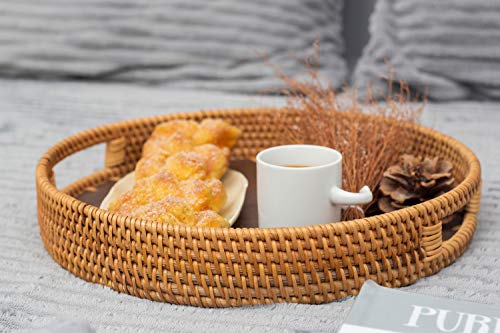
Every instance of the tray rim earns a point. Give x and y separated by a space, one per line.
43 178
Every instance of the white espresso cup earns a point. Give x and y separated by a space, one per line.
299 185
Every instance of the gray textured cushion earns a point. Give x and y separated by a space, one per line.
449 47
195 43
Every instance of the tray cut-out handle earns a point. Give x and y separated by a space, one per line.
432 245
115 152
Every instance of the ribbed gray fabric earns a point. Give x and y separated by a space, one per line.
189 44
449 48
35 291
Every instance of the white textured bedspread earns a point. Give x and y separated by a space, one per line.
35 290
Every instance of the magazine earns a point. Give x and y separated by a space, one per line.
383 310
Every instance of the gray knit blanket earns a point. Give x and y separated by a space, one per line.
35 291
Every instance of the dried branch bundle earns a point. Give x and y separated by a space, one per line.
369 134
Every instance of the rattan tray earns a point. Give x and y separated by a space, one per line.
244 266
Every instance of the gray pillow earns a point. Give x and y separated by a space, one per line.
195 43
449 48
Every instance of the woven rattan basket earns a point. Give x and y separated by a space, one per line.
244 266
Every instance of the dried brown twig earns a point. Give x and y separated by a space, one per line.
369 134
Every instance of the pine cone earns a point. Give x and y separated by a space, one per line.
414 180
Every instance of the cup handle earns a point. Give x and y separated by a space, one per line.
343 198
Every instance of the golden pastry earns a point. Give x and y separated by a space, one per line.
149 166
219 195
186 128
156 187
208 161
124 205
176 206
185 165
204 194
166 145
216 158
177 176
199 194
217 132
209 218
148 190
170 210
155 211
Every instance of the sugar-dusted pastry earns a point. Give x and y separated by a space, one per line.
199 194
166 144
205 161
219 195
124 205
186 165
186 128
149 165
204 194
176 206
217 132
155 211
170 210
209 218
156 187
216 158
177 178
145 191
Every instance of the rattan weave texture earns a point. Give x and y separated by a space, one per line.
232 267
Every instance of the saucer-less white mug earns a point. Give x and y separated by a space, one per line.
300 185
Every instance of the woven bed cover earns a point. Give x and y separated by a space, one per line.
35 291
